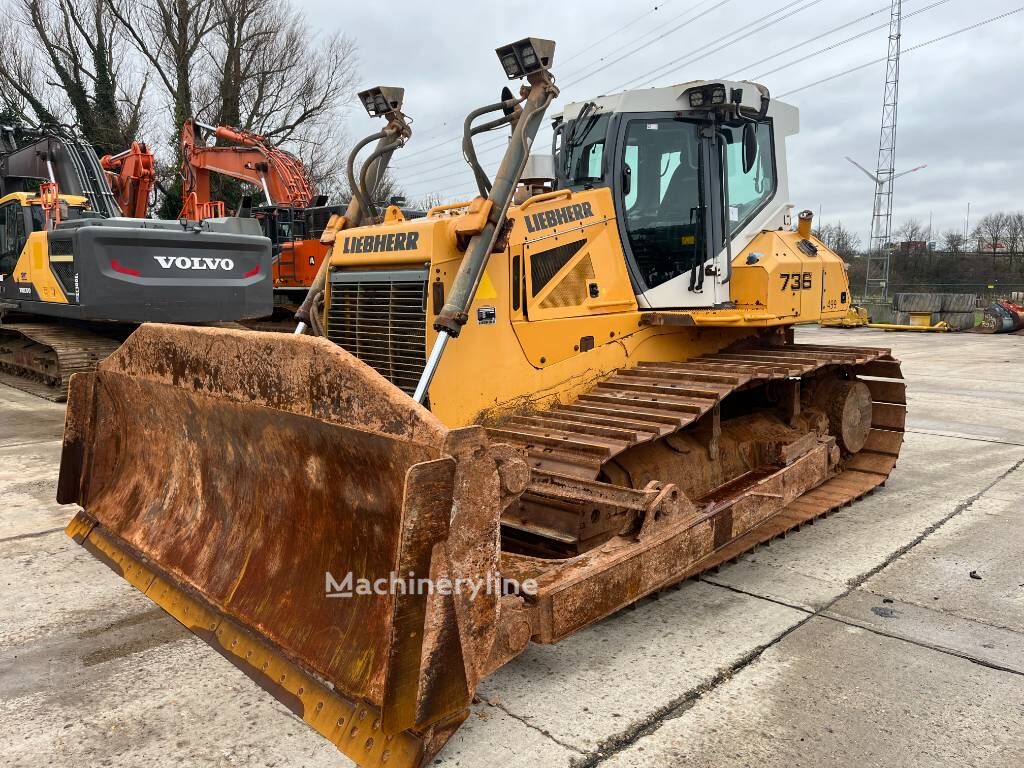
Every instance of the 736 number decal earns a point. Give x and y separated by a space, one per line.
795 281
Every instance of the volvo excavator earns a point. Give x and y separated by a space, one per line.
571 391
77 276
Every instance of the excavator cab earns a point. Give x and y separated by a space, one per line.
562 396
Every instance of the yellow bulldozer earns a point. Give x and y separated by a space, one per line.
514 416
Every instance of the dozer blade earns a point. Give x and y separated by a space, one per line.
226 473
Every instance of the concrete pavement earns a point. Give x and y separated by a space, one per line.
860 640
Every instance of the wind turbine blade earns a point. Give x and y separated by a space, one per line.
904 173
864 170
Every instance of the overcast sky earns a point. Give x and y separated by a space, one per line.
959 111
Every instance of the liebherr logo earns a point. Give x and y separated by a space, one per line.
194 262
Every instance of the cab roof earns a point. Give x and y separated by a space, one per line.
32 198
672 98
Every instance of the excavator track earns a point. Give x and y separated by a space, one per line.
581 440
40 358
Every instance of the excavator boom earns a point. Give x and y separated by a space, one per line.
247 157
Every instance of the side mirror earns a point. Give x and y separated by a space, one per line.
506 95
749 146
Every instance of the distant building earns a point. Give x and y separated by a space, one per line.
907 247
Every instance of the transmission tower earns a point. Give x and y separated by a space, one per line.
877 282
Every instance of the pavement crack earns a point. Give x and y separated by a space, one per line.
960 508
941 612
33 535
928 646
679 706
682 704
955 436
528 724
767 599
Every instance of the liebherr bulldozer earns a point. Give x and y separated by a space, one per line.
576 389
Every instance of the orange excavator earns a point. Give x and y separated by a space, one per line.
131 175
292 216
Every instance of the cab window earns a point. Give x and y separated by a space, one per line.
582 151
663 204
12 235
748 191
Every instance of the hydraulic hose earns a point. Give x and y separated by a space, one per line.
373 170
483 184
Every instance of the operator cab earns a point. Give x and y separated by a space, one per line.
22 213
696 171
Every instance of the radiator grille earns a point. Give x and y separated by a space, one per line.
62 248
380 317
545 265
60 245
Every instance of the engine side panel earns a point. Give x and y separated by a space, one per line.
555 311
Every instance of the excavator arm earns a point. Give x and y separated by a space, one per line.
131 175
246 156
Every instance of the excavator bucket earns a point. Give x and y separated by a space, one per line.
250 483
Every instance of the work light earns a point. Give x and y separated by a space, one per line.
526 57
381 100
703 96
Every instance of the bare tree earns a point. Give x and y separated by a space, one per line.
991 232
912 231
169 35
839 239
428 201
1015 234
65 63
247 64
268 76
270 73
952 241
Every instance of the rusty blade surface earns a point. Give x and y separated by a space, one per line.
247 481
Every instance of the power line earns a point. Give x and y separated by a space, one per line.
850 39
589 47
569 74
905 51
616 32
661 36
804 58
674 65
808 41
437 163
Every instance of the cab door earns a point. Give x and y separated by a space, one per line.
12 236
683 197
665 190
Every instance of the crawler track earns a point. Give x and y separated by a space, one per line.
40 358
653 400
